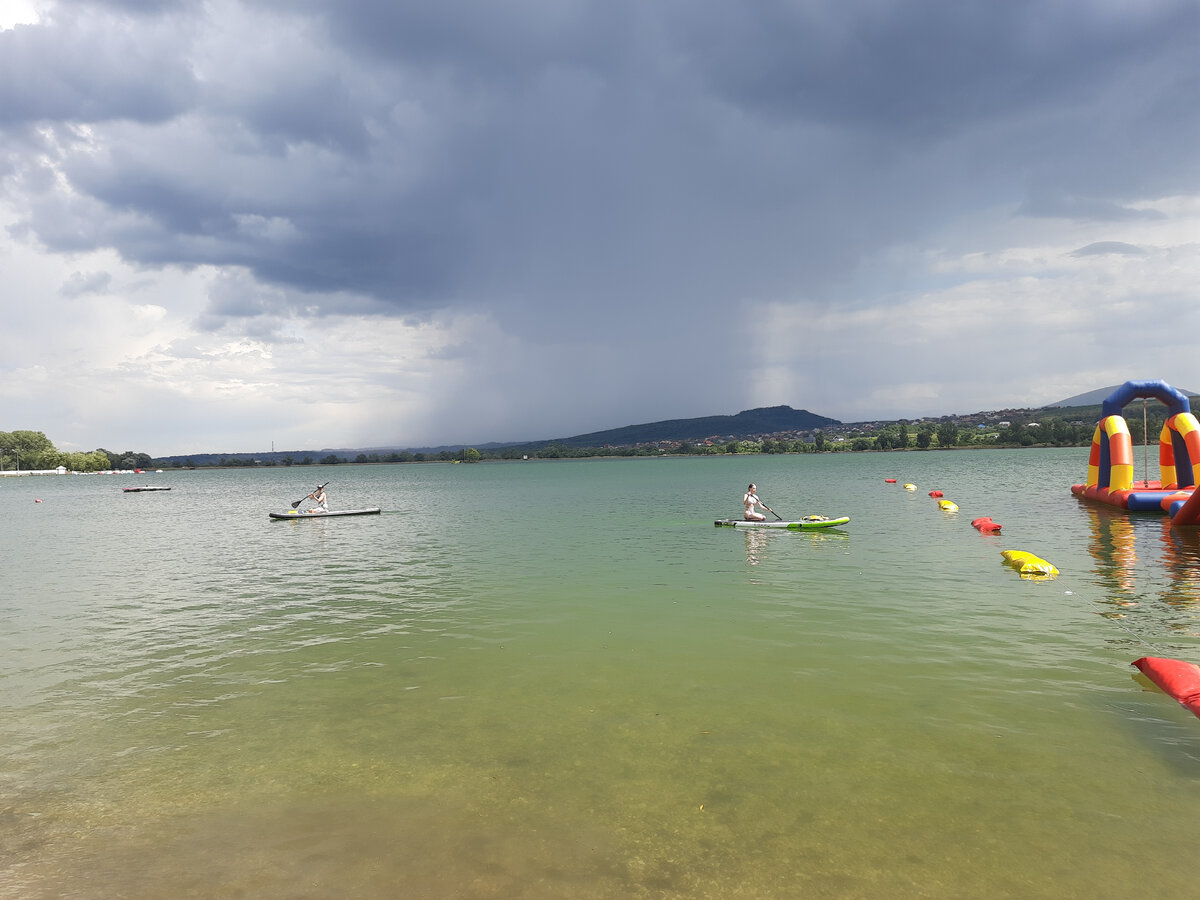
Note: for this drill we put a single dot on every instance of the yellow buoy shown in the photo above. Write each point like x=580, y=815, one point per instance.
x=1028, y=564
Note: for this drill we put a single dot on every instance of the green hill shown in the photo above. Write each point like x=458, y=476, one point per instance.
x=748, y=423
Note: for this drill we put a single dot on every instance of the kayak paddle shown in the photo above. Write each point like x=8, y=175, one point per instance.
x=306, y=496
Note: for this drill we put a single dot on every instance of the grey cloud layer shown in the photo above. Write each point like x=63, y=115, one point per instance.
x=605, y=170
x=428, y=147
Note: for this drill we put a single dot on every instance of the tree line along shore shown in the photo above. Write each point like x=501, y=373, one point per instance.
x=33, y=451
x=1069, y=427
x=898, y=436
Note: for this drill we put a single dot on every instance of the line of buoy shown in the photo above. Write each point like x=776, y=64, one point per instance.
x=1028, y=565
x=1178, y=679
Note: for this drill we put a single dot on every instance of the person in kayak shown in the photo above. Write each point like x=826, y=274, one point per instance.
x=321, y=499
x=750, y=501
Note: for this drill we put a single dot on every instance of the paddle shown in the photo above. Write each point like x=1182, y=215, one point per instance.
x=771, y=511
x=305, y=497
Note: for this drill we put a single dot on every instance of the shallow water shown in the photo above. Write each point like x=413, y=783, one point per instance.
x=558, y=679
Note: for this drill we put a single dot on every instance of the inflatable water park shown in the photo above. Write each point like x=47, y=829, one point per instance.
x=1110, y=475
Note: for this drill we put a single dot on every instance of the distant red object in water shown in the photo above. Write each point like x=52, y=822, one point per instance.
x=986, y=525
x=935, y=494
x=890, y=480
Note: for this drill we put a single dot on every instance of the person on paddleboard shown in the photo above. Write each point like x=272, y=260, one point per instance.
x=750, y=501
x=321, y=499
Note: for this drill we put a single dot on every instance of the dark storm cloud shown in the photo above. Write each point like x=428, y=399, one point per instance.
x=88, y=69
x=925, y=68
x=307, y=107
x=496, y=45
x=589, y=165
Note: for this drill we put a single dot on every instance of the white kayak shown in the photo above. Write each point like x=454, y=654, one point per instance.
x=808, y=523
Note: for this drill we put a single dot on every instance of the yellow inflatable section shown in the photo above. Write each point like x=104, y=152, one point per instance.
x=1114, y=432
x=948, y=505
x=1188, y=430
x=1028, y=564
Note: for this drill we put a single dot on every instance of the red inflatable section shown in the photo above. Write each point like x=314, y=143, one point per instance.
x=890, y=480
x=1176, y=678
x=935, y=494
x=1189, y=513
x=986, y=525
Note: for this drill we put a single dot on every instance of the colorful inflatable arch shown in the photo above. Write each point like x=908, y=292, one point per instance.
x=1110, y=463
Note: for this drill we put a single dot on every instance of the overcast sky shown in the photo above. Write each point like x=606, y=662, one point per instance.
x=233, y=224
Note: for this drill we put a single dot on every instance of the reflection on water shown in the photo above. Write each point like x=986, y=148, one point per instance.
x=1181, y=559
x=1166, y=570
x=759, y=541
x=1113, y=547
x=756, y=545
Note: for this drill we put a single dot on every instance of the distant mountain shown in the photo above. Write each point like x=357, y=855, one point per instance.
x=1098, y=396
x=750, y=422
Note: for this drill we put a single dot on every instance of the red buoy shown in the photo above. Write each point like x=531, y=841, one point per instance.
x=986, y=525
x=935, y=494
x=890, y=480
x=1178, y=679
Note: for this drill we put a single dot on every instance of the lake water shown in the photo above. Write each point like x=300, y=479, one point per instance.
x=559, y=680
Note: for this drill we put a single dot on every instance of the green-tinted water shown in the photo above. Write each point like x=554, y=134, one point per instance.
x=560, y=680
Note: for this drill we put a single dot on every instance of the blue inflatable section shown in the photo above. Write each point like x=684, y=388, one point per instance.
x=1175, y=400
x=1145, y=501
